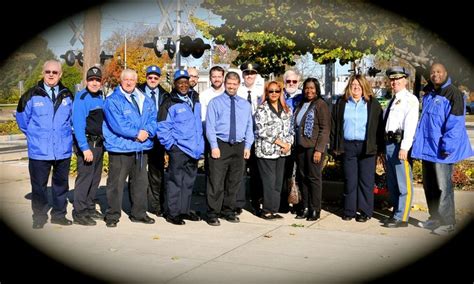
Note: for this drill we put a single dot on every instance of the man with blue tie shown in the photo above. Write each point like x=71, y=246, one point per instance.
x=44, y=115
x=128, y=129
x=229, y=130
x=156, y=156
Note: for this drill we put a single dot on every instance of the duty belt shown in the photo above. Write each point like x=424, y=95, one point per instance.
x=394, y=137
x=95, y=139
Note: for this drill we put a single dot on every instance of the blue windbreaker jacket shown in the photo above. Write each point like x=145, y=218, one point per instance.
x=47, y=128
x=123, y=122
x=442, y=127
x=181, y=125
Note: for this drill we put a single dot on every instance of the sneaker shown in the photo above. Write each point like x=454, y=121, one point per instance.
x=443, y=230
x=429, y=224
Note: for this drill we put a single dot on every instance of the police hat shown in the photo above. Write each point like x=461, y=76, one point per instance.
x=94, y=72
x=249, y=67
x=397, y=72
x=181, y=74
x=153, y=69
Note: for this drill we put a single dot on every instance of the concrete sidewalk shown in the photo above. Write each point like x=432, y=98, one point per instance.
x=253, y=251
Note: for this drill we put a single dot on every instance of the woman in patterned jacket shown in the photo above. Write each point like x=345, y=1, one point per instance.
x=273, y=140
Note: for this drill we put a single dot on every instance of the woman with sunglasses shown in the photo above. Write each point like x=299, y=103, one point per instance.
x=312, y=126
x=274, y=137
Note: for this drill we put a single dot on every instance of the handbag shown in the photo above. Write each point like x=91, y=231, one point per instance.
x=294, y=196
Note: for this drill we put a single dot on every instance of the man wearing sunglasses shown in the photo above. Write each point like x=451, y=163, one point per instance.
x=156, y=156
x=44, y=115
x=293, y=95
x=87, y=118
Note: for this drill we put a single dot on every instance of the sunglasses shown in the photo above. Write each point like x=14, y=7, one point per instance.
x=49, y=72
x=274, y=91
x=153, y=77
x=291, y=81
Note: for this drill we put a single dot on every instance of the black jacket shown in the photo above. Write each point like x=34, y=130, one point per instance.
x=374, y=136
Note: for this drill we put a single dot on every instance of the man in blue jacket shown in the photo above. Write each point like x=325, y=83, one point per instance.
x=87, y=119
x=156, y=156
x=44, y=116
x=180, y=132
x=128, y=128
x=440, y=141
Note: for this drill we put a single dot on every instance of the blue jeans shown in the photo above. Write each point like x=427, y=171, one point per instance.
x=439, y=191
x=399, y=182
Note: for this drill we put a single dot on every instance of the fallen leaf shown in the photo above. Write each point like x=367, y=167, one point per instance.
x=113, y=249
x=292, y=234
x=156, y=237
x=267, y=236
x=174, y=257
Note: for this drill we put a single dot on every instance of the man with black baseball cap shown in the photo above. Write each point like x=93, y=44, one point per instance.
x=87, y=118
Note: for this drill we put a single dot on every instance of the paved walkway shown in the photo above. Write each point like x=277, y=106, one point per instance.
x=253, y=251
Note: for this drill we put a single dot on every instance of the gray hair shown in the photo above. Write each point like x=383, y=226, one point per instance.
x=129, y=72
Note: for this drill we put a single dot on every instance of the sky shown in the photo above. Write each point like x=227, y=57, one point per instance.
x=124, y=15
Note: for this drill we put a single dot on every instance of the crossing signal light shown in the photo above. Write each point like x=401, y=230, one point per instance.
x=170, y=47
x=104, y=57
x=70, y=57
x=373, y=71
x=195, y=47
x=156, y=45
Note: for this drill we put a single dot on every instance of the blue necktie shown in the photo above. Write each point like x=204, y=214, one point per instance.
x=132, y=96
x=232, y=133
x=153, y=97
x=53, y=96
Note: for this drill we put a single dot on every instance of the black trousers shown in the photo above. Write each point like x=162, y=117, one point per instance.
x=271, y=171
x=225, y=179
x=359, y=172
x=39, y=175
x=287, y=176
x=256, y=188
x=310, y=178
x=156, y=175
x=182, y=171
x=121, y=166
x=87, y=180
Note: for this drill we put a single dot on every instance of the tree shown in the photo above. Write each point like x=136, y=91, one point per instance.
x=273, y=32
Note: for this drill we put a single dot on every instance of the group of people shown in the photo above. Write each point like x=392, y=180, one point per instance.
x=268, y=132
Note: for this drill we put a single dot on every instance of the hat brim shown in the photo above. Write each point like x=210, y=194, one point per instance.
x=94, y=77
x=180, y=77
x=397, y=76
x=250, y=71
x=153, y=72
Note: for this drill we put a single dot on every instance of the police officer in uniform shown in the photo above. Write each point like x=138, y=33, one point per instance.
x=251, y=91
x=156, y=156
x=400, y=118
x=87, y=118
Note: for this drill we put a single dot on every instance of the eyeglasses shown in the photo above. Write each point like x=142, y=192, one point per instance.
x=274, y=91
x=49, y=72
x=291, y=81
x=194, y=76
x=153, y=77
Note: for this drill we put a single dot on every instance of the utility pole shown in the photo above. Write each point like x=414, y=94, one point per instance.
x=92, y=24
x=178, y=31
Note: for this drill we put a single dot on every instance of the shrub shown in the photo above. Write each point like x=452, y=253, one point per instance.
x=9, y=127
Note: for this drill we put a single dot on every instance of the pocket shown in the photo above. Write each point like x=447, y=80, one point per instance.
x=430, y=147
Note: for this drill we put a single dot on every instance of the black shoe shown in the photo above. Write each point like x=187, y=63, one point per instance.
x=111, y=223
x=277, y=216
x=302, y=214
x=213, y=221
x=175, y=220
x=238, y=211
x=313, y=215
x=191, y=216
x=267, y=216
x=362, y=218
x=232, y=218
x=84, y=221
x=145, y=220
x=96, y=215
x=347, y=218
x=394, y=223
x=61, y=221
x=38, y=225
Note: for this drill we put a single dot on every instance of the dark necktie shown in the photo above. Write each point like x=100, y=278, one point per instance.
x=233, y=131
x=153, y=97
x=249, y=97
x=132, y=96
x=385, y=118
x=53, y=96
